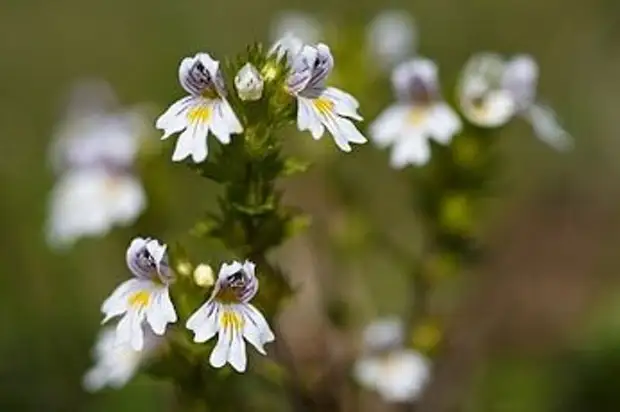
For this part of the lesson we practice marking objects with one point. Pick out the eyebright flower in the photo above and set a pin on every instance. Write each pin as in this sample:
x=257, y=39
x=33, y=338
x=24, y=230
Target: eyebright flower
x=143, y=300
x=229, y=313
x=419, y=114
x=492, y=91
x=249, y=83
x=319, y=106
x=392, y=37
x=116, y=363
x=93, y=153
x=396, y=373
x=205, y=110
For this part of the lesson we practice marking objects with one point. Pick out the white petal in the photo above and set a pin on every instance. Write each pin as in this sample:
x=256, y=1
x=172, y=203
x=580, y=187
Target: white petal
x=389, y=125
x=307, y=118
x=237, y=356
x=224, y=121
x=160, y=311
x=127, y=199
x=118, y=302
x=228, y=269
x=200, y=149
x=367, y=372
x=266, y=335
x=219, y=356
x=495, y=109
x=443, y=123
x=342, y=130
x=547, y=127
x=204, y=322
x=129, y=329
x=410, y=149
x=175, y=118
x=344, y=103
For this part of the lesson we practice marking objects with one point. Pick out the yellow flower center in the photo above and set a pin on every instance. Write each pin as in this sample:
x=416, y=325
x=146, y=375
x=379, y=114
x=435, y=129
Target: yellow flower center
x=199, y=113
x=323, y=105
x=231, y=319
x=417, y=115
x=139, y=299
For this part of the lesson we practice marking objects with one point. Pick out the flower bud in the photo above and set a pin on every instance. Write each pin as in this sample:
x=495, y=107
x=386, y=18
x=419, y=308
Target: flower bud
x=203, y=275
x=249, y=83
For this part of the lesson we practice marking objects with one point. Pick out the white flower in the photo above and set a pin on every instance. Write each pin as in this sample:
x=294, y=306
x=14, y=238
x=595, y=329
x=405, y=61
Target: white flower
x=492, y=91
x=392, y=37
x=229, y=314
x=145, y=298
x=319, y=106
x=93, y=152
x=249, y=83
x=291, y=30
x=89, y=202
x=419, y=114
x=116, y=363
x=398, y=375
x=204, y=110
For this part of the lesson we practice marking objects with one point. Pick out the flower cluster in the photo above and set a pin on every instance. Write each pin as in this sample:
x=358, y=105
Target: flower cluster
x=93, y=153
x=145, y=310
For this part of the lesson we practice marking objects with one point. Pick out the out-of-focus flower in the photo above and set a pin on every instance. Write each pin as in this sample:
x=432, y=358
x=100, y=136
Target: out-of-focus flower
x=396, y=373
x=319, y=106
x=295, y=27
x=493, y=90
x=145, y=298
x=229, y=314
x=205, y=110
x=398, y=376
x=203, y=275
x=93, y=152
x=419, y=114
x=249, y=83
x=116, y=364
x=392, y=37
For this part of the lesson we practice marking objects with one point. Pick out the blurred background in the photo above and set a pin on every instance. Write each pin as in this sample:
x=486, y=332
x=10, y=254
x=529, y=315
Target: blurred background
x=535, y=327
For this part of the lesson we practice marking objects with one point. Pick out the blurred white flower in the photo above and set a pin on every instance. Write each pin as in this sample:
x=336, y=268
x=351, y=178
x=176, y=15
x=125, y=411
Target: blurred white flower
x=229, y=314
x=249, y=83
x=93, y=152
x=145, y=299
x=116, y=364
x=392, y=37
x=295, y=24
x=419, y=114
x=319, y=106
x=397, y=376
x=396, y=373
x=205, y=110
x=493, y=90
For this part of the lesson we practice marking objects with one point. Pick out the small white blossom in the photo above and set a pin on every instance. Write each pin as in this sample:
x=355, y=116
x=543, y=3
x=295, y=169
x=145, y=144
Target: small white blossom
x=392, y=37
x=319, y=106
x=93, y=152
x=291, y=30
x=492, y=91
x=396, y=373
x=116, y=363
x=397, y=376
x=229, y=314
x=145, y=299
x=419, y=114
x=205, y=110
x=249, y=83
